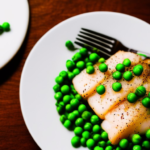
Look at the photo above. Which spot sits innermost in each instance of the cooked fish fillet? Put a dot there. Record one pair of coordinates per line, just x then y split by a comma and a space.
102, 104
85, 83
126, 119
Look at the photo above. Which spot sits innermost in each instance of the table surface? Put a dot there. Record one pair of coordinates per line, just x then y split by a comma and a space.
13, 132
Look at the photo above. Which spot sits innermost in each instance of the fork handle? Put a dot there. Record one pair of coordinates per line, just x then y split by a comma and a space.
143, 54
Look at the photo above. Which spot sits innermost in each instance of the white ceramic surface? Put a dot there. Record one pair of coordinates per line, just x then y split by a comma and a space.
48, 58
16, 12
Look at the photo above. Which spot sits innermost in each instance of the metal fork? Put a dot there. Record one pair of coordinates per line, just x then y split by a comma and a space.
102, 44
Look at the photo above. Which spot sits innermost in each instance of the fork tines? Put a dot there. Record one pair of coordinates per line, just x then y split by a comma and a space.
97, 40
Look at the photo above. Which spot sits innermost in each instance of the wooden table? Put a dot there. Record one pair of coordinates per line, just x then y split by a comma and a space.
45, 14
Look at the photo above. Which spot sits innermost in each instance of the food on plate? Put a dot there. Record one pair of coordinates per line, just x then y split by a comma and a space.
86, 83
116, 89
116, 92
4, 27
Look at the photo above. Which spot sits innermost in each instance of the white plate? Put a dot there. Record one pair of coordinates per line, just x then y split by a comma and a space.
16, 12
48, 58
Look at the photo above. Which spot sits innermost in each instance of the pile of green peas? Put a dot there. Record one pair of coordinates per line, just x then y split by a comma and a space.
4, 27
76, 115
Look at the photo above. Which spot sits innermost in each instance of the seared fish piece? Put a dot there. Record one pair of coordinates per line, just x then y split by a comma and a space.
127, 119
102, 104
85, 83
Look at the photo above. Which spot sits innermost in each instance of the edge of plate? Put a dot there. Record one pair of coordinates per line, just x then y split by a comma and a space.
6, 62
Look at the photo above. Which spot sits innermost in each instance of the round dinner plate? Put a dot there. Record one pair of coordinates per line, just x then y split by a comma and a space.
48, 58
16, 12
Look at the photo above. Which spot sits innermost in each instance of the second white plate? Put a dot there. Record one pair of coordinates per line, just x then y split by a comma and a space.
16, 12
48, 58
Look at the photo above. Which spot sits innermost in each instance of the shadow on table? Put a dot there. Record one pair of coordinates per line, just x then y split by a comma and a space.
7, 71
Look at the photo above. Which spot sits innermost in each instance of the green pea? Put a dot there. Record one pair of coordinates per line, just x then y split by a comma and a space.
86, 60
103, 67
90, 143
140, 91
87, 126
65, 89
96, 128
71, 75
132, 98
78, 130
66, 99
6, 26
75, 141
71, 117
108, 142
146, 102
90, 69
102, 144
95, 119
109, 148
89, 64
127, 62
74, 92
118, 148
76, 113
63, 118
117, 75
96, 137
71, 95
86, 135
79, 122
146, 144
104, 135
74, 102
82, 108
136, 139
116, 86
70, 65
93, 57
56, 88
127, 75
80, 65
98, 148
76, 71
137, 147
83, 51
63, 74
67, 124
59, 80
83, 141
78, 96
137, 70
86, 115
100, 89
71, 86
120, 67
59, 109
140, 66
76, 57
68, 108
101, 60
148, 134
69, 45
1, 29
124, 143
58, 96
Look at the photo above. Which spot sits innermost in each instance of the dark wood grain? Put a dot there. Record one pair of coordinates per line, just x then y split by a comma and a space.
45, 14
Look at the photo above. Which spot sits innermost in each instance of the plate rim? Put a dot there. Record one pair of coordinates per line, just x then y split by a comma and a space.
23, 38
38, 42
